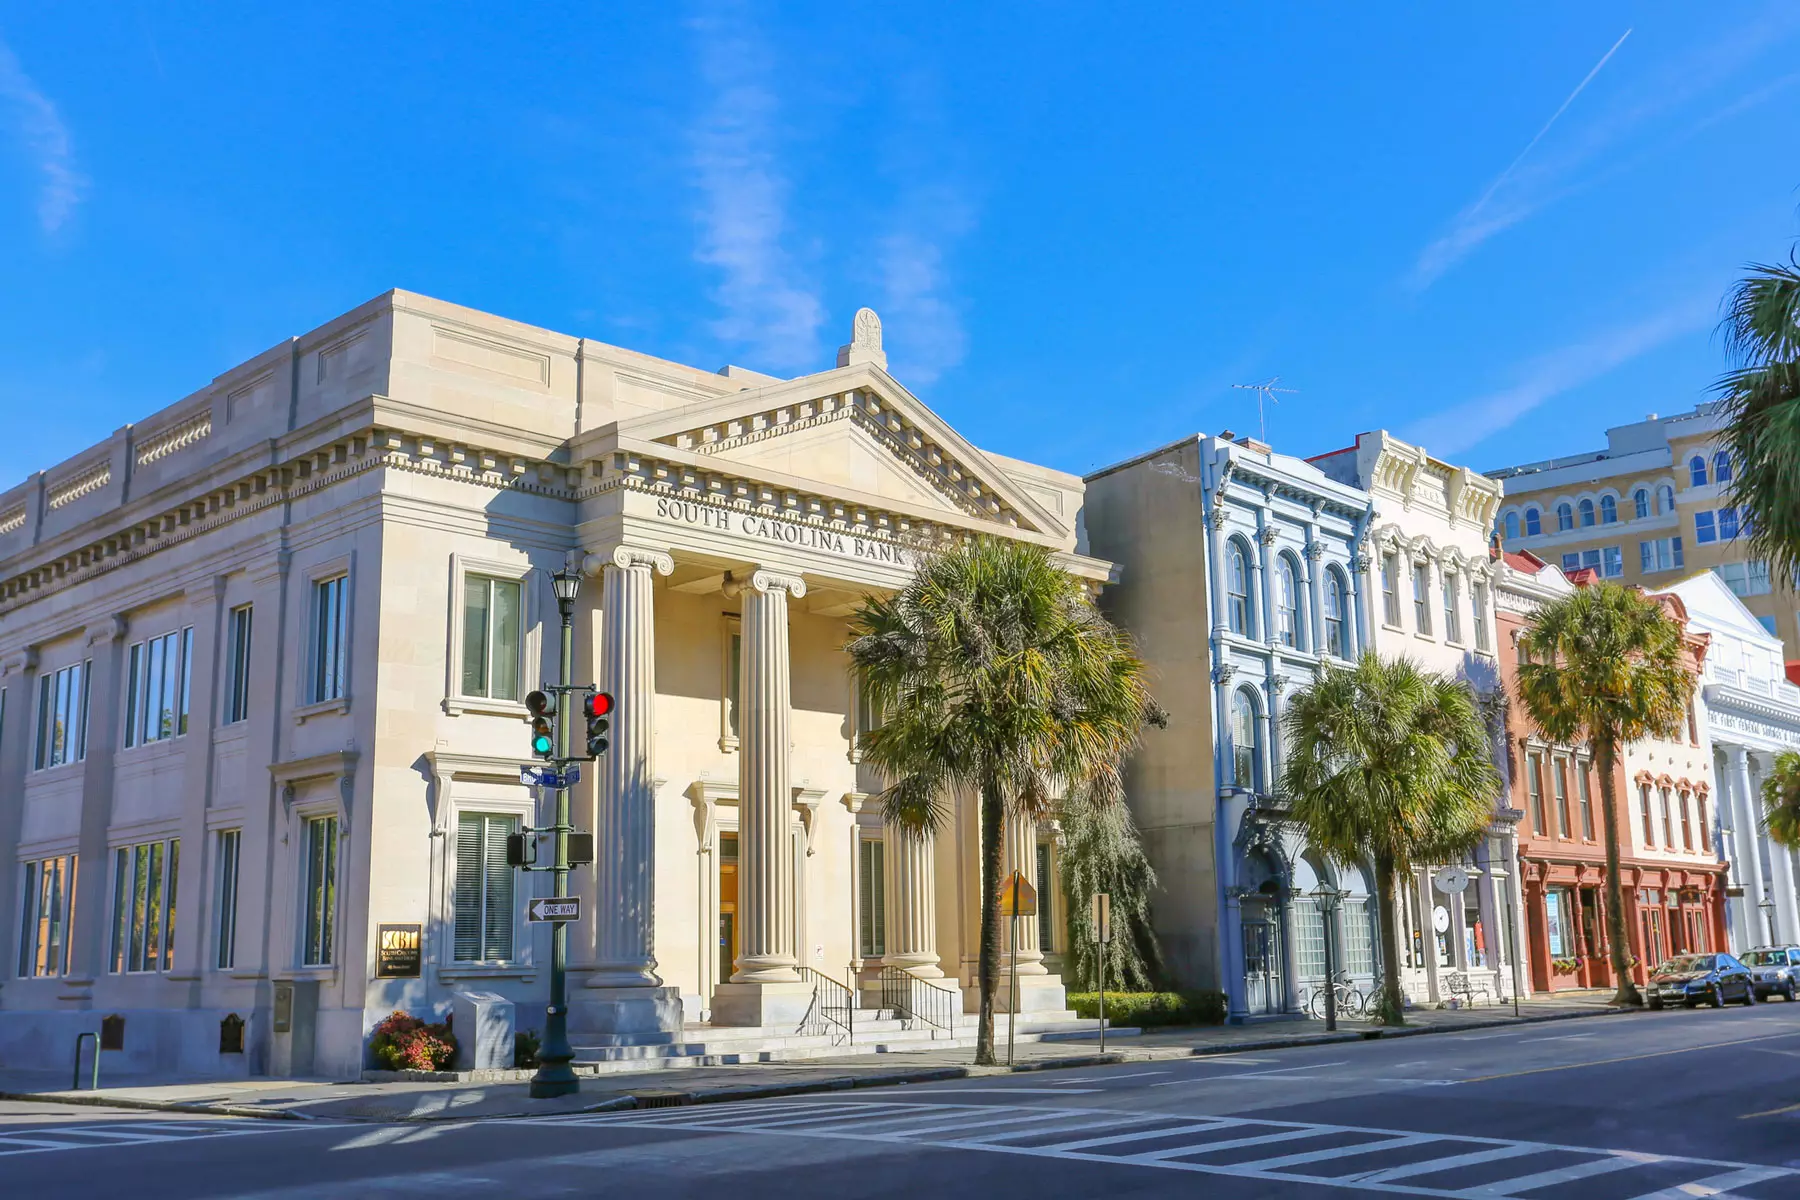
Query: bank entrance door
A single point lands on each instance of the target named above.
(728, 905)
(1262, 958)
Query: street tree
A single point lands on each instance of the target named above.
(1762, 399)
(1604, 665)
(1390, 763)
(1781, 800)
(991, 670)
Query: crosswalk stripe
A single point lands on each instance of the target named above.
(1121, 1138)
(1524, 1183)
(1039, 1131)
(1450, 1163)
(1286, 1135)
(1716, 1185)
(1312, 1156)
(959, 1121)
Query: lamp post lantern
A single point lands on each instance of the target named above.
(1328, 897)
(554, 1075)
(1768, 912)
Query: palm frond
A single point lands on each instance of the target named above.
(1781, 800)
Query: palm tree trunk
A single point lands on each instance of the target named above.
(993, 820)
(1605, 759)
(1393, 1011)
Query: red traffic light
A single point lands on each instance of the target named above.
(540, 704)
(598, 705)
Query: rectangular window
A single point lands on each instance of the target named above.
(1612, 561)
(145, 879)
(1359, 945)
(225, 897)
(1309, 936)
(872, 903)
(1390, 589)
(1728, 524)
(319, 889)
(1584, 797)
(1046, 914)
(734, 673)
(158, 685)
(1421, 583)
(1571, 562)
(1704, 531)
(1478, 600)
(329, 654)
(1559, 914)
(1559, 779)
(1687, 824)
(48, 896)
(1534, 784)
(491, 637)
(1644, 805)
(1659, 554)
(1705, 829)
(1746, 578)
(62, 716)
(1452, 610)
(484, 889)
(1668, 820)
(237, 665)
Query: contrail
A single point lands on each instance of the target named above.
(1510, 167)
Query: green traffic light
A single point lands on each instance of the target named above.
(540, 744)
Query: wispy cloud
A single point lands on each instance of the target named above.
(1455, 429)
(41, 131)
(768, 305)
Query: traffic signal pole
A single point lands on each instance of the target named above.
(554, 1075)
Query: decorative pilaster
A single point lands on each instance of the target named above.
(1749, 843)
(912, 902)
(1021, 855)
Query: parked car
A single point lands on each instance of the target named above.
(1687, 979)
(1775, 970)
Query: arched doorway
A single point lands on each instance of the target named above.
(1263, 912)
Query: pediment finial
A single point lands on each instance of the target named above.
(865, 341)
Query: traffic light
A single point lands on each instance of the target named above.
(595, 708)
(542, 707)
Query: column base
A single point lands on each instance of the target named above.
(1037, 993)
(637, 1016)
(755, 1005)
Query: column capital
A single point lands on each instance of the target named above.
(625, 557)
(765, 581)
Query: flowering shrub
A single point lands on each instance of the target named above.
(1566, 964)
(405, 1043)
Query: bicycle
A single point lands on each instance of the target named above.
(1350, 1002)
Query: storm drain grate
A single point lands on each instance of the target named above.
(662, 1099)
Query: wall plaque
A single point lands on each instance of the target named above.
(397, 951)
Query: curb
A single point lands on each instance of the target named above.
(174, 1106)
(1378, 1033)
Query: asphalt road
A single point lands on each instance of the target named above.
(1676, 1105)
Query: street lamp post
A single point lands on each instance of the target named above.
(1768, 912)
(1328, 898)
(554, 1075)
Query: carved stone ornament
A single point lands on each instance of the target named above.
(865, 332)
(1223, 672)
(1314, 551)
(1217, 517)
(1268, 535)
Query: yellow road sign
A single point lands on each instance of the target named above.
(1017, 897)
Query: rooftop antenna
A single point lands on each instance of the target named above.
(1266, 390)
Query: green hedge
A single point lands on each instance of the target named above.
(1145, 1010)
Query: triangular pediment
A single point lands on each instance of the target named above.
(856, 430)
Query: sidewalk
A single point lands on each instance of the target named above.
(287, 1099)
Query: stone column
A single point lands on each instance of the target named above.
(1315, 592)
(18, 696)
(911, 902)
(1781, 877)
(1265, 594)
(765, 989)
(625, 1000)
(90, 924)
(195, 893)
(1749, 845)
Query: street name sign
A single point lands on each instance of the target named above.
(549, 777)
(554, 908)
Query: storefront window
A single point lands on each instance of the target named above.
(1559, 920)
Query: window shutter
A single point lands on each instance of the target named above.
(467, 901)
(498, 917)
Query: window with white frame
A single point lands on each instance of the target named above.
(1478, 603)
(1512, 526)
(732, 670)
(158, 681)
(1359, 939)
(1239, 612)
(330, 654)
(483, 897)
(1746, 578)
(1609, 510)
(1659, 554)
(871, 917)
(1607, 561)
(318, 891)
(1665, 499)
(1452, 609)
(62, 716)
(48, 900)
(1335, 642)
(1534, 522)
(492, 640)
(1421, 585)
(1390, 589)
(1046, 906)
(1309, 937)
(1287, 603)
(227, 845)
(866, 717)
(145, 878)
(1640, 503)
(237, 665)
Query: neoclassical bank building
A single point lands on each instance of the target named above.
(262, 665)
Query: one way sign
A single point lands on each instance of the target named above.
(554, 908)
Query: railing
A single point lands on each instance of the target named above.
(919, 1001)
(833, 1009)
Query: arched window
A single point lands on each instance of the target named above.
(1246, 752)
(1534, 524)
(1587, 513)
(1512, 525)
(1287, 604)
(1565, 518)
(1609, 510)
(1238, 613)
(1722, 467)
(1335, 643)
(1641, 500)
(1697, 471)
(1665, 499)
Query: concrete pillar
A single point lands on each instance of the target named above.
(18, 692)
(911, 884)
(194, 892)
(1749, 845)
(104, 681)
(1315, 591)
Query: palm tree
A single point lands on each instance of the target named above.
(1762, 397)
(1604, 665)
(992, 670)
(1389, 762)
(1781, 800)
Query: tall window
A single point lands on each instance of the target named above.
(1587, 513)
(1421, 583)
(145, 878)
(1359, 943)
(1335, 645)
(1478, 603)
(1246, 754)
(48, 897)
(1668, 820)
(158, 686)
(872, 903)
(1644, 806)
(1722, 467)
(484, 889)
(1309, 937)
(330, 657)
(1705, 829)
(1390, 589)
(1584, 796)
(1512, 525)
(1559, 779)
(225, 897)
(1559, 911)
(1687, 824)
(1746, 578)
(1452, 610)
(1237, 587)
(1659, 554)
(1665, 499)
(1697, 471)
(1728, 524)
(734, 682)
(1046, 914)
(237, 665)
(1287, 602)
(62, 716)
(490, 649)
(319, 891)
(1534, 523)
(1565, 517)
(1609, 510)
(1705, 532)
(1640, 503)
(1534, 786)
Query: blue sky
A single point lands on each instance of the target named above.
(1496, 229)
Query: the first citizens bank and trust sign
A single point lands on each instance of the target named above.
(757, 529)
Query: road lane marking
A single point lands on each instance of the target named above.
(1005, 1091)
(1772, 1112)
(1599, 1166)
(1337, 1152)
(43, 1139)
(1604, 1062)
(1432, 1166)
(1260, 1139)
(1255, 1074)
(1715, 1185)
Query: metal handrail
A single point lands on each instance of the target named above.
(76, 1085)
(833, 1004)
(919, 1000)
